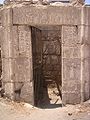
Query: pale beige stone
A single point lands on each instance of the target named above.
(85, 15)
(9, 90)
(6, 38)
(85, 32)
(71, 98)
(70, 36)
(27, 93)
(85, 51)
(24, 36)
(71, 87)
(22, 69)
(44, 15)
(71, 69)
(6, 70)
(71, 52)
(73, 64)
(6, 18)
(17, 70)
(0, 35)
(85, 83)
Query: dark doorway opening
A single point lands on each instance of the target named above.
(46, 52)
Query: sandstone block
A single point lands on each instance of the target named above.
(0, 35)
(85, 39)
(85, 14)
(71, 69)
(49, 15)
(70, 36)
(27, 93)
(6, 70)
(6, 38)
(24, 35)
(17, 70)
(71, 52)
(85, 51)
(16, 41)
(71, 98)
(6, 19)
(71, 86)
(21, 69)
(9, 90)
(85, 83)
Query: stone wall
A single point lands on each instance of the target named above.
(71, 60)
(0, 51)
(17, 49)
(16, 60)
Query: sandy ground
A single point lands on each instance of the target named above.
(23, 111)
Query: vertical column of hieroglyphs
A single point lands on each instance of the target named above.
(23, 63)
(71, 65)
(22, 71)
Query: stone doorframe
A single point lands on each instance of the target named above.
(17, 50)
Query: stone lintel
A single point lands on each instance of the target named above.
(47, 15)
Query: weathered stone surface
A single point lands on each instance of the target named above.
(6, 70)
(17, 49)
(33, 15)
(22, 69)
(27, 93)
(85, 51)
(85, 81)
(9, 90)
(71, 98)
(0, 16)
(70, 36)
(24, 35)
(85, 58)
(0, 51)
(71, 64)
(71, 69)
(71, 52)
(14, 43)
(71, 86)
(6, 38)
(6, 31)
(19, 69)
(19, 91)
(18, 44)
(85, 18)
(85, 32)
(6, 19)
(0, 35)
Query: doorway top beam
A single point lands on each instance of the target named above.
(47, 15)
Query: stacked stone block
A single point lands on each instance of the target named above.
(17, 49)
(71, 65)
(16, 59)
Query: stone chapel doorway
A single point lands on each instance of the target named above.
(46, 52)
